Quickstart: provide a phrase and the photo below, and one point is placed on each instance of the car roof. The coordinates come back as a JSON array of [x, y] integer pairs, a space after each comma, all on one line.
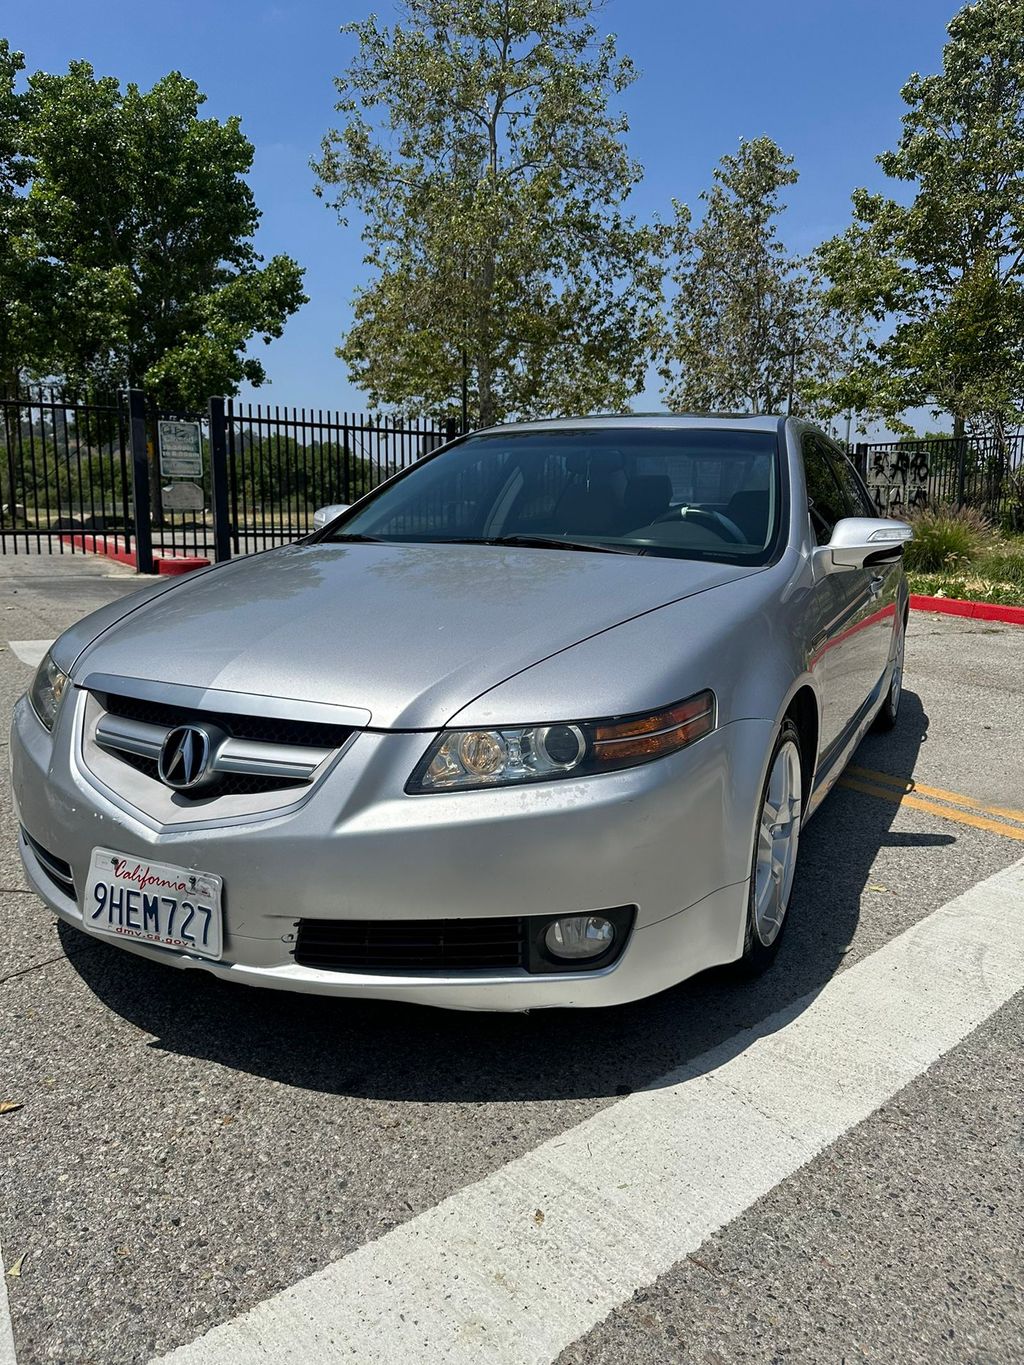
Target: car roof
[[729, 421]]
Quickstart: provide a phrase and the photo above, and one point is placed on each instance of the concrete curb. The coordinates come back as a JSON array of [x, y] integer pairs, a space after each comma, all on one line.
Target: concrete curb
[[113, 548], [980, 611]]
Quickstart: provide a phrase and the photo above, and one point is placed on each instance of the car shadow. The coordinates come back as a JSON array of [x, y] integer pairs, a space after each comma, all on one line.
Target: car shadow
[[378, 1050]]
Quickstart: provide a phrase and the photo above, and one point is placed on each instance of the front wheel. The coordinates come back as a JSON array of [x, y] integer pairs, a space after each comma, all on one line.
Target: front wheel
[[776, 842]]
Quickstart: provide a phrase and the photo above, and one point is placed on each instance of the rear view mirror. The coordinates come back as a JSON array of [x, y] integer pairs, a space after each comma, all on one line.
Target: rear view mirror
[[857, 541]]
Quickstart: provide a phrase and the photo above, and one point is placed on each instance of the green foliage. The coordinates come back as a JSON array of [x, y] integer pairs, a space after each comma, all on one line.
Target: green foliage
[[1004, 566], [141, 208], [26, 312], [480, 149], [948, 265], [279, 473], [945, 538], [967, 586], [1012, 520], [749, 328]]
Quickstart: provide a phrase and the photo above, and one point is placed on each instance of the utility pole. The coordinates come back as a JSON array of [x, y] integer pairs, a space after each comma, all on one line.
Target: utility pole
[[465, 358]]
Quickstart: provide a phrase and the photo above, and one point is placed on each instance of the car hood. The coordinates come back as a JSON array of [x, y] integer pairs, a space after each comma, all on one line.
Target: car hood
[[408, 633]]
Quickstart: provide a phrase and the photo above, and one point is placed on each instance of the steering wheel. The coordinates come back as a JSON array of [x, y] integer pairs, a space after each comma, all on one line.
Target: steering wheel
[[717, 520]]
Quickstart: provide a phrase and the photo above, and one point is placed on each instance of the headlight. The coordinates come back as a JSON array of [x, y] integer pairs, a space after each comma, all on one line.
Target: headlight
[[461, 759], [47, 690]]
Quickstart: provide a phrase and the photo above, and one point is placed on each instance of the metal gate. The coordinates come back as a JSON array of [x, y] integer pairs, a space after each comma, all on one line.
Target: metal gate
[[64, 473], [79, 475]]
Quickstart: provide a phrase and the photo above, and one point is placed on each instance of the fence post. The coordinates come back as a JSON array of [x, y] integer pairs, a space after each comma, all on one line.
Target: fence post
[[452, 429], [236, 545], [219, 481], [861, 459], [961, 469], [140, 481]]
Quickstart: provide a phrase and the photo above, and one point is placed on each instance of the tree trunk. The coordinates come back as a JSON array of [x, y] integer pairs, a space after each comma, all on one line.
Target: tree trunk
[[960, 447], [485, 349], [485, 399]]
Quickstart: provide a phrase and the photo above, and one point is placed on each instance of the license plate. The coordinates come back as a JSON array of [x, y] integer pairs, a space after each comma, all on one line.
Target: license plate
[[158, 903]]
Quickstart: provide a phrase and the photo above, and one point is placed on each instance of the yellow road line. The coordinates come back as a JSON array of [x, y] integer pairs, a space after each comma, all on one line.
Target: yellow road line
[[900, 797], [911, 784]]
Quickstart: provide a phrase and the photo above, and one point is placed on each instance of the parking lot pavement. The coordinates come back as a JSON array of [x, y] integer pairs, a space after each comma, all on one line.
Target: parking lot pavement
[[186, 1150]]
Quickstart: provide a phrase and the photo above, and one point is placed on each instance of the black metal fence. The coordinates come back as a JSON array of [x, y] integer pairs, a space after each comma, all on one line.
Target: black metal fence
[[64, 472], [284, 463], [967, 471], [82, 475], [79, 474]]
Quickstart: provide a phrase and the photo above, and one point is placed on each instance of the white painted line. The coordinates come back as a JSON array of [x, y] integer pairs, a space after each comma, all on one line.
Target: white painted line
[[6, 1330], [30, 651], [631, 1191]]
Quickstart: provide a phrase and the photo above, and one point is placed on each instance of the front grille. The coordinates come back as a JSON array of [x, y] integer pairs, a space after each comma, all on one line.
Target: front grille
[[57, 870], [315, 734], [231, 784], [290, 745], [410, 945]]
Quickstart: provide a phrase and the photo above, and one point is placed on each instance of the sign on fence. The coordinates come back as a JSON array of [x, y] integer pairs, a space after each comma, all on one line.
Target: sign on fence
[[898, 480], [181, 450], [182, 497]]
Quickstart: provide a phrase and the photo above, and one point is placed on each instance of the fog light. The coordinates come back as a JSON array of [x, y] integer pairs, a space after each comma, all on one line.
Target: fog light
[[579, 936]]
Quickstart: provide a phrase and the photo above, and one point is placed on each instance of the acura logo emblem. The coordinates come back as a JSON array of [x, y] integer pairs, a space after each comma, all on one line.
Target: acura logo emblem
[[185, 757]]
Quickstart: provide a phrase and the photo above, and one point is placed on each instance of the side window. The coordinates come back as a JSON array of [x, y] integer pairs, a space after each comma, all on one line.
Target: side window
[[828, 502], [856, 494]]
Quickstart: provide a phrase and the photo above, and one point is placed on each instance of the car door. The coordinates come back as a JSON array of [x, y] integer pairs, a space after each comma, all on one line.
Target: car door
[[883, 577], [848, 645]]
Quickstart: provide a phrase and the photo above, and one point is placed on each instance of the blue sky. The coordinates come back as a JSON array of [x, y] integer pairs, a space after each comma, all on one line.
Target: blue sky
[[822, 77]]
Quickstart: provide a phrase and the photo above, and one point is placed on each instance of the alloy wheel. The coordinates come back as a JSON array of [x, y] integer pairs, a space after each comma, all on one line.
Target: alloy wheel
[[896, 686], [777, 837]]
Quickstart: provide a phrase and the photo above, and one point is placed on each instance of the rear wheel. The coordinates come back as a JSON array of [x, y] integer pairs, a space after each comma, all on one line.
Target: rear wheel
[[890, 710], [776, 843]]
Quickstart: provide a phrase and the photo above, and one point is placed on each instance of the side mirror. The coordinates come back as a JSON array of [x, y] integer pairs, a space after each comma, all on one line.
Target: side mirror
[[857, 541], [323, 515]]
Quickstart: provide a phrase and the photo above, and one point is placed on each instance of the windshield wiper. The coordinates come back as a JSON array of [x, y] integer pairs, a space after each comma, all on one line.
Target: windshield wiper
[[368, 540], [559, 543]]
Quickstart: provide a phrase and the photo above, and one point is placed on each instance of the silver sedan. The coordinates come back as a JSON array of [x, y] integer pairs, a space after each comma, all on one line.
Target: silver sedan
[[536, 723]]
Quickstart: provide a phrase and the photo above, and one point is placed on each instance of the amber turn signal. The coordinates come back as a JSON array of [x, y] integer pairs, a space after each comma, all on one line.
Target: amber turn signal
[[661, 732]]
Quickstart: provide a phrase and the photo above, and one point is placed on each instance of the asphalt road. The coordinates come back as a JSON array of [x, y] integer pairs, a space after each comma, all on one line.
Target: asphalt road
[[185, 1150]]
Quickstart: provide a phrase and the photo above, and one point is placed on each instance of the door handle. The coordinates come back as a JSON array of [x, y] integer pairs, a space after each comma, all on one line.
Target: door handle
[[877, 584]]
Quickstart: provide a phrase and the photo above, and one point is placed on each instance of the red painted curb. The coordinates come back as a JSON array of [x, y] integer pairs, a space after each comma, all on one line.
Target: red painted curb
[[113, 548], [178, 564], [980, 611]]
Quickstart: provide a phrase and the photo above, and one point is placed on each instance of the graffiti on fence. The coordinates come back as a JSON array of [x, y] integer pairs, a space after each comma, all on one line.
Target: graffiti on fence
[[898, 479]]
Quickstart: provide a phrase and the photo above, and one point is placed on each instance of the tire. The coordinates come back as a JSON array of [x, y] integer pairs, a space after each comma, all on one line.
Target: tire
[[776, 844], [889, 713]]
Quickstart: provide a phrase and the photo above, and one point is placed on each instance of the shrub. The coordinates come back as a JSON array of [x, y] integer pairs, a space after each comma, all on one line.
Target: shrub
[[1004, 566], [945, 537], [966, 588]]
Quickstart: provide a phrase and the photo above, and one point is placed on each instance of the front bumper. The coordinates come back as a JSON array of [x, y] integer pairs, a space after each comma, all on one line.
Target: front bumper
[[672, 837]]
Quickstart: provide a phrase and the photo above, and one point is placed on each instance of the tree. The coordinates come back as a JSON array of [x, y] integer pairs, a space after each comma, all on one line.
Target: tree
[[142, 209], [749, 328], [479, 146], [943, 274], [25, 293]]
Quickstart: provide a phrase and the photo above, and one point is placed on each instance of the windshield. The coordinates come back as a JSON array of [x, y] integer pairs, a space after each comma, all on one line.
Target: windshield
[[695, 493]]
